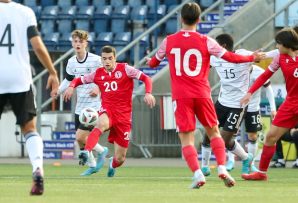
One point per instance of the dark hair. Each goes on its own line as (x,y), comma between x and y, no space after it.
(108,49)
(288,38)
(226,41)
(296,29)
(190,13)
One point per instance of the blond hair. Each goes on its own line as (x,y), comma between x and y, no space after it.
(81,34)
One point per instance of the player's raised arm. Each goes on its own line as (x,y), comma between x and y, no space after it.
(159,56)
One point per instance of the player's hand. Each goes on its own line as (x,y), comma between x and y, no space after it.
(94,92)
(244,101)
(259,56)
(273,114)
(149,99)
(53,83)
(147,60)
(68,93)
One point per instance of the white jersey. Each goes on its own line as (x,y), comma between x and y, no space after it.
(15,70)
(234,79)
(77,69)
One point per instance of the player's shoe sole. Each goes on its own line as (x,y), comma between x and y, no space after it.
(37,186)
(206,171)
(101,159)
(197,182)
(255,176)
(227,179)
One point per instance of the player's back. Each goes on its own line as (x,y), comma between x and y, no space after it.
(15,66)
(234,79)
(189,61)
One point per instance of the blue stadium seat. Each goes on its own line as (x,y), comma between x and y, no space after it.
(169,3)
(102,18)
(82,24)
(134,3)
(18,1)
(44,3)
(102,39)
(206,3)
(98,3)
(143,46)
(81,3)
(64,43)
(161,12)
(116,3)
(49,12)
(85,12)
(123,57)
(171,24)
(51,41)
(151,3)
(91,40)
(120,19)
(47,26)
(37,11)
(120,41)
(65,25)
(67,12)
(139,13)
(63,3)
(30,3)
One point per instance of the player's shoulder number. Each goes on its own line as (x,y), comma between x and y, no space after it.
(185,61)
(5,38)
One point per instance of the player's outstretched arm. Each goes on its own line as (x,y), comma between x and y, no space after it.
(44,57)
(149,99)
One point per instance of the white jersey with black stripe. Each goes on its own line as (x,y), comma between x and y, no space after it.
(77,69)
(15,69)
(234,79)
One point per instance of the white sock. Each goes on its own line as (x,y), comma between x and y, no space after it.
(34,147)
(221,169)
(252,148)
(91,160)
(206,154)
(239,151)
(231,156)
(281,161)
(98,148)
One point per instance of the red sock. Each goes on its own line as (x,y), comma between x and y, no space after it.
(116,163)
(218,148)
(267,154)
(191,157)
(92,139)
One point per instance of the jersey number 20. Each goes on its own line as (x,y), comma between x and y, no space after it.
(8,43)
(185,61)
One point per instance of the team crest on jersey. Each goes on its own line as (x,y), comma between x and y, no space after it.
(102,77)
(118,74)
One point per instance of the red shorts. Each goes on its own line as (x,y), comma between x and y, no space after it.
(287,115)
(187,109)
(119,129)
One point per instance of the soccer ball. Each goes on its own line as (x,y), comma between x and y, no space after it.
(88,116)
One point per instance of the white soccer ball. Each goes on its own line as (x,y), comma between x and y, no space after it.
(88,116)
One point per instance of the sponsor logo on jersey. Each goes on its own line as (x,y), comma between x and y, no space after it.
(118,74)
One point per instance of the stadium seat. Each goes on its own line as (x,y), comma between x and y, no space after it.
(151,3)
(120,19)
(120,41)
(81,3)
(30,3)
(161,11)
(116,3)
(206,3)
(82,24)
(85,12)
(139,13)
(67,12)
(63,3)
(143,46)
(64,43)
(98,3)
(91,40)
(49,12)
(65,25)
(51,41)
(47,26)
(102,39)
(171,24)
(44,3)
(169,3)
(102,18)
(134,3)
(37,11)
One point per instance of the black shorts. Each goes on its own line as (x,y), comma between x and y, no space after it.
(229,118)
(252,122)
(78,125)
(22,104)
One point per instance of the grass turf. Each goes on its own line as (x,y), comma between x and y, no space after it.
(142,185)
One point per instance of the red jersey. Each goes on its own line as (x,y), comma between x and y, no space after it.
(188,53)
(116,88)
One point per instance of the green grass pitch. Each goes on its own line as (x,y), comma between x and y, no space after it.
(142,185)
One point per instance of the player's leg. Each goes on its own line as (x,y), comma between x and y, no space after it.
(23,106)
(206,154)
(205,113)
(231,161)
(117,160)
(185,122)
(280,162)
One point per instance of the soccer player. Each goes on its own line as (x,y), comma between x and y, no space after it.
(234,80)
(18,26)
(82,63)
(252,117)
(189,54)
(115,81)
(287,114)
